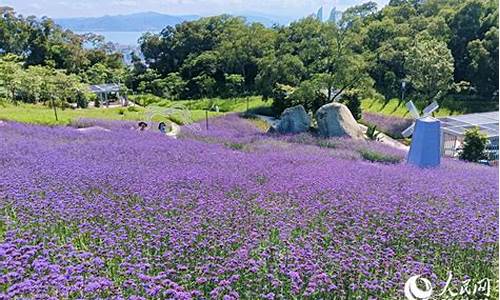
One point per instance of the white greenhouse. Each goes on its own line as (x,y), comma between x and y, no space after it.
(454,128)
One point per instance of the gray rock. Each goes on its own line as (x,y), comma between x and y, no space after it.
(335,119)
(294,120)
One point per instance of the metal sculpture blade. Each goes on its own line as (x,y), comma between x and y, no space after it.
(412,109)
(408,131)
(430,108)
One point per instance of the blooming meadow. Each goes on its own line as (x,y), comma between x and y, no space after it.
(390,125)
(231,213)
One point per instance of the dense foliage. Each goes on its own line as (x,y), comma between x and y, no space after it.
(40,61)
(231,213)
(438,47)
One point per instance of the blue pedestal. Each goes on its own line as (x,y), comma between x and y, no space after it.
(425,149)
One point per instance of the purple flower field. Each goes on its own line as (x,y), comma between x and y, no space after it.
(231,213)
(390,125)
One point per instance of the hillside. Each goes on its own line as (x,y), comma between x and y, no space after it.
(147,21)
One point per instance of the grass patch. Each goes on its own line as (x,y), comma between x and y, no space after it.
(255,103)
(235,146)
(395,107)
(40,114)
(324,143)
(448,107)
(378,157)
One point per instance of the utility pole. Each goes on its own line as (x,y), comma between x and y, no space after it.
(403,88)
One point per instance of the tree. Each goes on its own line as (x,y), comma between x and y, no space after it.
(242,46)
(281,98)
(234,85)
(100,74)
(30,88)
(358,12)
(10,68)
(287,69)
(201,86)
(429,68)
(474,145)
(466,25)
(352,100)
(482,63)
(175,86)
(310,94)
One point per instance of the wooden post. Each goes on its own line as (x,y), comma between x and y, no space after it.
(206,118)
(54,107)
(106,99)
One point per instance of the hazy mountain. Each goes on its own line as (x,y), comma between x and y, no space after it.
(267,20)
(147,21)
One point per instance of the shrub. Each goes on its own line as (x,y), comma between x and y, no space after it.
(474,145)
(132,109)
(121,111)
(81,100)
(146,99)
(374,156)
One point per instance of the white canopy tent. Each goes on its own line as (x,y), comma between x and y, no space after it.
(103,90)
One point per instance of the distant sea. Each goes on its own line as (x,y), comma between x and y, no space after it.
(125,38)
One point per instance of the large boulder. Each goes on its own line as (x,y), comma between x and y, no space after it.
(335,119)
(294,120)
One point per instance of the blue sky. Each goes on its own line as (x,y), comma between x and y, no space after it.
(85,8)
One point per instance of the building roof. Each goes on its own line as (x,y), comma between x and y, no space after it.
(105,88)
(457,125)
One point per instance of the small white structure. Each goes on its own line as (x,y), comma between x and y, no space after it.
(104,90)
(425,149)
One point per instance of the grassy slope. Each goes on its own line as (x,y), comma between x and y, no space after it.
(40,114)
(396,108)
(44,115)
